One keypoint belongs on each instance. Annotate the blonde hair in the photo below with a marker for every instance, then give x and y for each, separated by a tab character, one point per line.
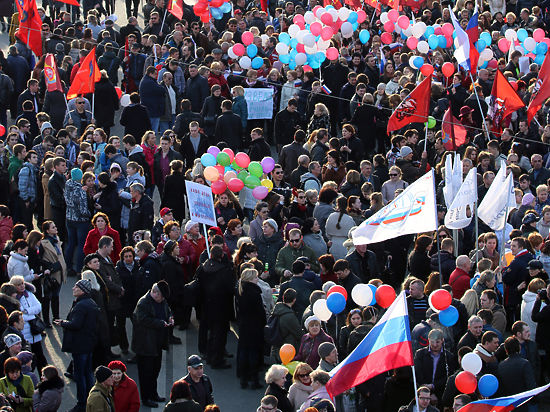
471	301
301	369
238	90
17	280
247	275
274	373
322	108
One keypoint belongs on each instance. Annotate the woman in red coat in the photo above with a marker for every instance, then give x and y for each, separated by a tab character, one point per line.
186	257
193	235
126	394
102	227
149	149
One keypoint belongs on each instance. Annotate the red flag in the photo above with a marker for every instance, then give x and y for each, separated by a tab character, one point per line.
176	8
541	92
51	75
356	4
30	25
86	77
73	2
504	101
394	4
335	3
414	108
452	131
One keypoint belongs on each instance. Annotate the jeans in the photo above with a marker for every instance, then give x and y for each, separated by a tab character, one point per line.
76	237
83	376
155	124
163	125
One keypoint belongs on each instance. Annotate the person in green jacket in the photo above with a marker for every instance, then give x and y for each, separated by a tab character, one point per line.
16	161
18	388
100	398
289	327
288	255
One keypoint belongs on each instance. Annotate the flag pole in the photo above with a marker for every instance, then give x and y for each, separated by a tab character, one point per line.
206	239
93	103
415	388
480	109
505	221
477	233
426	136
163	19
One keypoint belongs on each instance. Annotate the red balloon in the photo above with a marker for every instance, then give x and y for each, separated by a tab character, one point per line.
412	42
316	28
326	18
426	69
218	187
247	38
221	170
339	289
466	382
514	85
327	33
438	31
200	7
448	69
216	3
2	130
389	26
298	18
386	38
492	64
300	48
361	16
441	299
239	49
205	18
118	92
385	295
235	185
307	68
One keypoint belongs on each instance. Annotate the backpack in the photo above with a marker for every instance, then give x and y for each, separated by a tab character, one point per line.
303	184
272	332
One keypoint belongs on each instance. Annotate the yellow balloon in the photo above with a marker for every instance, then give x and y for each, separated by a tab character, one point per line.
291	366
267	183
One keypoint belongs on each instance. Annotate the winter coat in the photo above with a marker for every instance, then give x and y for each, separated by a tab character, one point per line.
513	275
215	288
141	215
106	103
515	375
174	275
54	105
53	254
47	206
9	303
173	194
289	327
31	307
283	404
288	255
338	235
240	108
528	301
419	265
135	119
268	248
448	264
196	90
100	399
229	129
6	225
183	406
150	335
309	347
258	148
150	271
18	265
149	153
128	279
321	212
286	123
317	243
460	282
126	395
92	242
126	198
313	397
76	120
110	63
108	278
28	182
152	96
251	316
56	188
210	111
541	315
288	158
188	151
298	394
80	331
425	374
77	202
411	407
48	394
7	387
172	155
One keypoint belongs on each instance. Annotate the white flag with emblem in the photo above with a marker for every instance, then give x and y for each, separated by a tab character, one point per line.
498	201
459	214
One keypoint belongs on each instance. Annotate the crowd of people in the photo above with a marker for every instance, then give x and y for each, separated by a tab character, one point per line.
108	213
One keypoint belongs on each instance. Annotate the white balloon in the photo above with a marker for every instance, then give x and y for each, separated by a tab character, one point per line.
346	28
361	294
281	48
311	50
431	305
328	285
471	362
487	54
408	32
265	39
343	13
529	43
333	13
301	34
190	2
510	35
245	62
293	30
319	12
232	54
423	46
418	29
384	17
323	44
398	28
125	100
309	40
309	17
321	310
300	59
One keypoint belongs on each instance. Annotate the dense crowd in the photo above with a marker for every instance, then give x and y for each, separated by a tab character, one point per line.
108	213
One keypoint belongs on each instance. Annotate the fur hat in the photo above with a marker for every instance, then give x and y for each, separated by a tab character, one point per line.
311	319
90	276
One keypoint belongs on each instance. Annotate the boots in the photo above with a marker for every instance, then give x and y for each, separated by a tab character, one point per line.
55	307
46	312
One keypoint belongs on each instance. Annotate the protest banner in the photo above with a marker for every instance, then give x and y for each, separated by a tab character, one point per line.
259	103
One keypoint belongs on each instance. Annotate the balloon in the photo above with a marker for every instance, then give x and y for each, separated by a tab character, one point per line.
300	59
447	29
361	16
242	159
487	54
235	185
208	160
326	18
321	310
373	290
522	34
418	62
433	42
465	382
220	169
538	35
326	34
268	164
257	62
529	44
471	362
247	38
229	175
200	8
389	26
448	69
251	182
426	69
238	49
486	37
216	13
284	38
386	38
385	295
223	159
225	7
344	13
338	289
418	29
242	175
298	18
362	294
336	302
403	22
503	45
510	35
327	285
480	45
423	47
442	41
488	384
364	36
2	130
281	48
541	48
353	17
213	150
346	28
332	52
412	43
125	99
539	59
255	169
251	50
493	64
211	173
316	28
393	15
267	183
230	153
441	299
218	187
449	316
287	353
431	122
245	62
260	192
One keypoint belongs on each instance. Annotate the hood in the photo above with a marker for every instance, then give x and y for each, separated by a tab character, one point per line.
45	125
529	297
19	257
135	150
306	176
498	308
282	309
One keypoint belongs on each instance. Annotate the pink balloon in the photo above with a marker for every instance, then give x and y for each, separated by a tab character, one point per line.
260	192
235	185
242	160
403	22
218	187
316	28
300	48
448	29
247	38
315	10
393	15
327	33
332	53
389	26
239	49
412	42
492	64
514	85
361	16
503	45
538	35
229	175
327	18
438	31
449	41
386	38
298	18
229	153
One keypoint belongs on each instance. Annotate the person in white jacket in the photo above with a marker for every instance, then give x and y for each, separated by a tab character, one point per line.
31	308
337	227
528	301
17	262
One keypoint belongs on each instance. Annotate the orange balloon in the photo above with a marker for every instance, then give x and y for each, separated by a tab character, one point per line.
509	257
287	353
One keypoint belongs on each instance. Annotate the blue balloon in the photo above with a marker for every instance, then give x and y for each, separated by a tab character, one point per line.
292	65
208	159
487	385
373	288
336	302
433	42
522	34
284	58
449	316
257	62
321	57
229	169
539	59
315	64
352	18
486	36
429	31
418	62
541	48
442	41
480	45
354	26
216	13
364	36
251	50
294	43
226	7
293	54
484	65
284	37
330	6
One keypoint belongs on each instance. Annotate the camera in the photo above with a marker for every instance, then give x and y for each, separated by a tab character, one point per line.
543	295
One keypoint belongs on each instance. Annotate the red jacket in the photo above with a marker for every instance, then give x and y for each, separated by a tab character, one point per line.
199	246
460	282
126	396
92	241
187	252
221	81
149	153
6	225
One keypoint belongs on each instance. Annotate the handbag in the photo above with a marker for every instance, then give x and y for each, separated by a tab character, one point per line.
37	326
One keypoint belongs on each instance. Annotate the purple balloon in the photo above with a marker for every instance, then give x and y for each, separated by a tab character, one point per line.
213	150
268	164
260	192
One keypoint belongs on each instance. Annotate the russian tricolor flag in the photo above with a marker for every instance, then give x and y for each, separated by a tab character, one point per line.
386	347
465	52
504	404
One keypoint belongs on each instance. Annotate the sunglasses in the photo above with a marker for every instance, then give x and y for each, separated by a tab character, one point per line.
303	375
393	174
301	197
79	102
278	173
294	240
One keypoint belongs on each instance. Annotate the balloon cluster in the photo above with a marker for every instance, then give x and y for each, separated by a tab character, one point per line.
534	47
334	303
440	301
208	9
226	170
247	52
466	381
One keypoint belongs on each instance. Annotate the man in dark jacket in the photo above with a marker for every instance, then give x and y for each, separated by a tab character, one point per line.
152	322
362	263
152	96
258	146
289	325
196	88
302	287
141	210
473	336
56	186
185	118
287	121
347	279
417	303
528	349
288	158
229	127
424	400
448	261
514	275
30	93
162	160
193	145
199	383
80	338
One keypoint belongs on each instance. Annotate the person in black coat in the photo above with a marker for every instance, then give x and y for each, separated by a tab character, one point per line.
108	201
187	147
165	151
542	317
106	103
287	121
514	275
152	96
419	261
135	117
55	106
150	269
251	319
229	127
173	194
196	88
258	148
174	275
141	210
211	109
181	125
275	379
128	270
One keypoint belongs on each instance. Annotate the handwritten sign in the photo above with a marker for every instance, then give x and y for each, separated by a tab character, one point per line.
201	203
259	103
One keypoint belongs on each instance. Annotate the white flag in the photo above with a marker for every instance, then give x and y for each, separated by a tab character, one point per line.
453	178
457	174
457	215
413	211
498	201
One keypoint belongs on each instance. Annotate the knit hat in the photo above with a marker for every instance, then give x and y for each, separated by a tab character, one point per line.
272	223
527	199
76	174
116	166
530	218
164	288
164	211
11	339
169	247
405	151
25	357
535	264
45	125
84	285
325	349
102	373
311	319
116	364
189	225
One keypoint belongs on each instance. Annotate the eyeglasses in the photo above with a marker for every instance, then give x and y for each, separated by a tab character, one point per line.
393	174
278	173
424	398
301	197
302	375
79	102
294	240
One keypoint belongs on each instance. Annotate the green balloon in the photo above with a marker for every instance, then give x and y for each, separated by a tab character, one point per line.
235	166
431	122
255	169
243	175
252	181
223	159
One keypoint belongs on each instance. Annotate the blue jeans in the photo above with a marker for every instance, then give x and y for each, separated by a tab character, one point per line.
76	237
83	376
164	125
155	124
